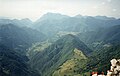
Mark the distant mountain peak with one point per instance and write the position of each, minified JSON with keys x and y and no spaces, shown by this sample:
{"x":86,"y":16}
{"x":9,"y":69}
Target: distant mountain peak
{"x":52,"y":16}
{"x":78,"y":16}
{"x":75,"y":42}
{"x":49,"y":14}
{"x":104,"y":18}
{"x":26,"y":19}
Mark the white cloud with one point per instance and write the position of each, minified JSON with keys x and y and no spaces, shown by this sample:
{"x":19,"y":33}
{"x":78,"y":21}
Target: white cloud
{"x":34,"y":9}
{"x":103,"y":3}
{"x":109,"y":0}
{"x":96,"y":7}
{"x":114,"y":10}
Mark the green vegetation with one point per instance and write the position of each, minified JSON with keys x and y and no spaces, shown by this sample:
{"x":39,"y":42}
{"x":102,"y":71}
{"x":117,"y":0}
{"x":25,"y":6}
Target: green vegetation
{"x":66,"y":48}
{"x":19,"y":38}
{"x":58,"y":45}
{"x":13,"y":64}
{"x":100,"y":60}
{"x":36,"y":48}
{"x":72,"y":66}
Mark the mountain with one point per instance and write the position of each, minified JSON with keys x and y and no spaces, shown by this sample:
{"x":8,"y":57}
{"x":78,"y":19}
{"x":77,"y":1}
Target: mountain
{"x":104,"y":18}
{"x":104,"y":36}
{"x":21,"y":23}
{"x":52,"y":16}
{"x":106,"y":46}
{"x":50,"y":22}
{"x":53,"y":23}
{"x":58,"y":45}
{"x":53,"y":56}
{"x":19,"y":38}
{"x":100,"y":60}
{"x":72,"y":66}
{"x":112,"y":35}
{"x":13,"y":64}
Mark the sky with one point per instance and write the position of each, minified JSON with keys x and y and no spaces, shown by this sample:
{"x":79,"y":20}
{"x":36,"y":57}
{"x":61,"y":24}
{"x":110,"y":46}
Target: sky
{"x":34,"y":9}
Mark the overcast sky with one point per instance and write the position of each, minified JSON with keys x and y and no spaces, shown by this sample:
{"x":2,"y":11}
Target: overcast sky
{"x":34,"y":9}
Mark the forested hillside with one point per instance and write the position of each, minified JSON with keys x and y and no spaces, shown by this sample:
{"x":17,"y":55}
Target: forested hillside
{"x":58,"y":45}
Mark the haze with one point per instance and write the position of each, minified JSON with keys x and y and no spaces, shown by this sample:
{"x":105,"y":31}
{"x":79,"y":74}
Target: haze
{"x":34,"y":9}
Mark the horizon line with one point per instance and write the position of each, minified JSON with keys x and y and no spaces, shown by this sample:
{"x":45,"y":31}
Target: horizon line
{"x":33,"y":20}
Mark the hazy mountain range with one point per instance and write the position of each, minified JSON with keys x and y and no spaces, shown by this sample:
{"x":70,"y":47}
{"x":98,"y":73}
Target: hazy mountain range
{"x":58,"y":45}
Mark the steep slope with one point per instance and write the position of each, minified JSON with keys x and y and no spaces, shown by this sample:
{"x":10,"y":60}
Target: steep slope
{"x":112,"y":35}
{"x":37,"y":47}
{"x":13,"y":64}
{"x":18,"y":38}
{"x":48,"y":60}
{"x":50,"y":23}
{"x":54,"y":22}
{"x":100,"y":60}
{"x":106,"y":45}
{"x":72,"y":66}
{"x":108,"y":36}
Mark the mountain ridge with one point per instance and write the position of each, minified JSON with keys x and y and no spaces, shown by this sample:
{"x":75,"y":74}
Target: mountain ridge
{"x":56,"y":54}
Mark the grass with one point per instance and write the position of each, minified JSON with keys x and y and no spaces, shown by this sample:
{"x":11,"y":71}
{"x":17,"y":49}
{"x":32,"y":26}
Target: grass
{"x":71,"y":66}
